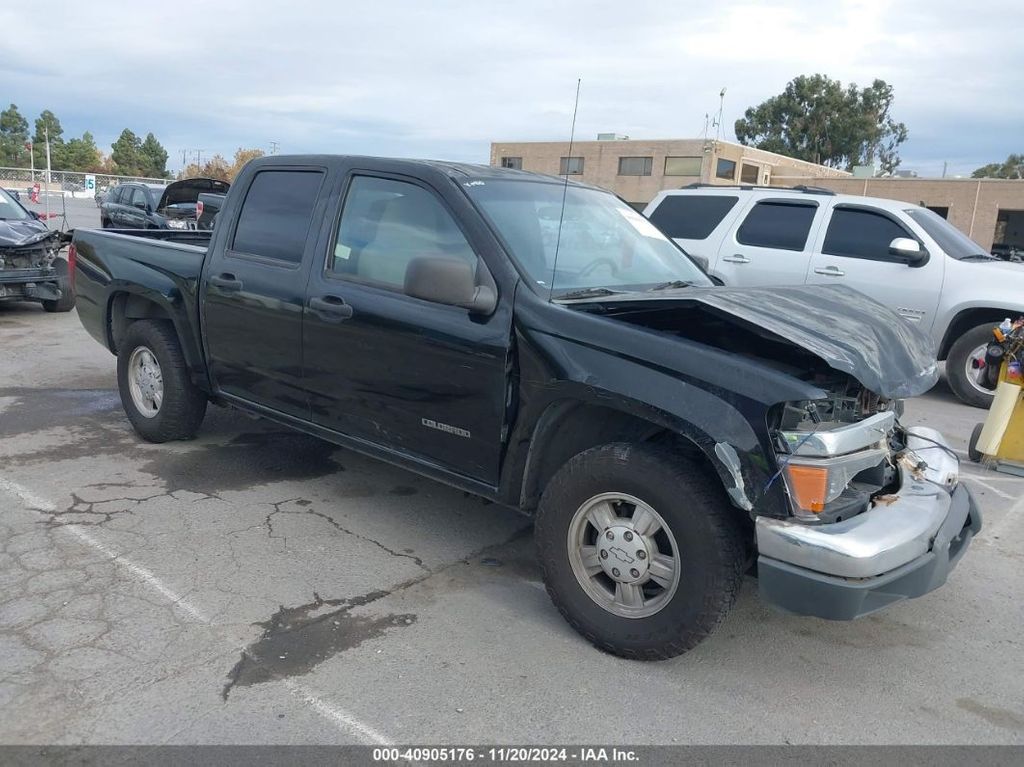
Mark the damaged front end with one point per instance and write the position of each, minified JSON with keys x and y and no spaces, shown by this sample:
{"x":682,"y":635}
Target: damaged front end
{"x":27,"y":272}
{"x":879,"y":513}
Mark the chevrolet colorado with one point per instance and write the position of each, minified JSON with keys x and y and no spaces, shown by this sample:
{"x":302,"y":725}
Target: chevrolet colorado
{"x":668,"y":434}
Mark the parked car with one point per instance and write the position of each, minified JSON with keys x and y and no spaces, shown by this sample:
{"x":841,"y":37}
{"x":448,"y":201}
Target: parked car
{"x":135,"y":205}
{"x":207,"y":208}
{"x":905,"y":256}
{"x":665,"y":431}
{"x":31,"y":268}
{"x":101,"y":194}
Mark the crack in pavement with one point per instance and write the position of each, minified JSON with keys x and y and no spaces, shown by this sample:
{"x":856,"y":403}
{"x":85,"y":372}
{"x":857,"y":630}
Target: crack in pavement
{"x":334,"y":523}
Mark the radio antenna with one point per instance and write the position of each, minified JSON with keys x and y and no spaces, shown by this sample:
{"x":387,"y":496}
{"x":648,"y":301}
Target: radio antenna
{"x":565,"y":189}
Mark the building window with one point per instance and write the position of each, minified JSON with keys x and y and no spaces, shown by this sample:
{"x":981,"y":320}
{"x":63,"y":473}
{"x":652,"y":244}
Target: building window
{"x":748,"y":174}
{"x":516,"y":163}
{"x":683,"y":166}
{"x":635,"y":166}
{"x":726,"y":169}
{"x":570,"y":166}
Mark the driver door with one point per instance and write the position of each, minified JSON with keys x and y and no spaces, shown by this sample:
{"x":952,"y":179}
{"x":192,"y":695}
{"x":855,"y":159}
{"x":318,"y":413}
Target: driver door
{"x":425,"y":379}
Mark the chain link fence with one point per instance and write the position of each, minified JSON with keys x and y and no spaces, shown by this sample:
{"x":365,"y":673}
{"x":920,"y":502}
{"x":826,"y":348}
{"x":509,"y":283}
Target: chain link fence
{"x":72,"y":182}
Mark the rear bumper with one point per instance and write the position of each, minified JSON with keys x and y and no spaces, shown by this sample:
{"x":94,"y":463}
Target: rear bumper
{"x":897,"y":550}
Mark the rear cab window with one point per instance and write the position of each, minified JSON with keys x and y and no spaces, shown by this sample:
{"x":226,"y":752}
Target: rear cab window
{"x":778,"y":224}
{"x":692,"y":216}
{"x":276,"y":215}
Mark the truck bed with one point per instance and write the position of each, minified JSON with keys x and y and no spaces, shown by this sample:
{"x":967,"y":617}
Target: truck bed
{"x":161,"y":264}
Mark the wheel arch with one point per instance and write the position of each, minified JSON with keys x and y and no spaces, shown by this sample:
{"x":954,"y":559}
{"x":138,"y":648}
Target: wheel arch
{"x":968,"y":318}
{"x":568,"y":427}
{"x":128,"y":306}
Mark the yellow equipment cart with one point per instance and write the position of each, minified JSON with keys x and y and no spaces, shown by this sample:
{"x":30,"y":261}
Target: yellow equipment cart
{"x":999,"y":441}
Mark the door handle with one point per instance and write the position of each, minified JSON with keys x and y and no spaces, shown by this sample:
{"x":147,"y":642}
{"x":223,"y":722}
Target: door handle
{"x":226,"y":282}
{"x":737,"y":258}
{"x":331,"y":307}
{"x":830,"y":271}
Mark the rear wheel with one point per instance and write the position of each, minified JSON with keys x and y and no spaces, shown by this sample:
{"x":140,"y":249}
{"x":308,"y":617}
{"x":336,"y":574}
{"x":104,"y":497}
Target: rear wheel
{"x":66,"y":302}
{"x":158,"y":396}
{"x":960,"y":370}
{"x":640,"y":550}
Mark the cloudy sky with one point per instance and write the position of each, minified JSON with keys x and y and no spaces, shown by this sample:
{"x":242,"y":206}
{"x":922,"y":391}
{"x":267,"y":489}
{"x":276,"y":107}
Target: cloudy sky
{"x":440,"y":78}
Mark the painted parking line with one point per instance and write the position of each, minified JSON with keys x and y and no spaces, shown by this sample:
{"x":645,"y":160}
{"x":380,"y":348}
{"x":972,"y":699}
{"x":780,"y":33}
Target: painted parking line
{"x":343,"y":720}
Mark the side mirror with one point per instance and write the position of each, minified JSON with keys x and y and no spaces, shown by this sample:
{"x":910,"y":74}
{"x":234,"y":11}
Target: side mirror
{"x":909,"y":250}
{"x":448,"y":281}
{"x":141,"y":206}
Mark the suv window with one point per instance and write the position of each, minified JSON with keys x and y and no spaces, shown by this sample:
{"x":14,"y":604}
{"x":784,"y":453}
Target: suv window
{"x":782,"y":225}
{"x":385,"y":224}
{"x":139,"y":197}
{"x":692,"y":216}
{"x":276,"y":214}
{"x":859,"y":233}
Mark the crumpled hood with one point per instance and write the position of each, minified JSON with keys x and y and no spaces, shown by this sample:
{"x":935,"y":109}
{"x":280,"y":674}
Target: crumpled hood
{"x":843,"y":327}
{"x":18,"y":234}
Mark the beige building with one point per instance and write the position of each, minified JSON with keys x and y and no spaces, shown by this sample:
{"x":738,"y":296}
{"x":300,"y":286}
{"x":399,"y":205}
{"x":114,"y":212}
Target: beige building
{"x":990,"y":211}
{"x":638,"y":170}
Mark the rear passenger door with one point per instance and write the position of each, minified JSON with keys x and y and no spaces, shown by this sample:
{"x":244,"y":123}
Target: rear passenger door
{"x":854,"y":251}
{"x":254,"y":287}
{"x":771,"y":245}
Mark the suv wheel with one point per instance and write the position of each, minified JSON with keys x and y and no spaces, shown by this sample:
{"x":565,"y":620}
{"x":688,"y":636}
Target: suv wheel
{"x":158,"y":396}
{"x":640,"y":550}
{"x":962,"y":377}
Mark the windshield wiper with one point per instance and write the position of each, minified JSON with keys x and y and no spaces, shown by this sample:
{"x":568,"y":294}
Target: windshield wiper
{"x":587,"y":293}
{"x":983,"y":256}
{"x":672,"y":285}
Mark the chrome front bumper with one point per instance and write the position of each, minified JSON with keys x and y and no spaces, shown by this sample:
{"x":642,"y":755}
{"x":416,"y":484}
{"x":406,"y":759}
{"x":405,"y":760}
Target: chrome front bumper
{"x":902,"y":547}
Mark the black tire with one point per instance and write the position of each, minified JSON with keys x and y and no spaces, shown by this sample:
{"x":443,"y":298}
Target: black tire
{"x":956,"y":363}
{"x":707,"y":529}
{"x":183,"y":406}
{"x":972,"y":446}
{"x":66,"y":302}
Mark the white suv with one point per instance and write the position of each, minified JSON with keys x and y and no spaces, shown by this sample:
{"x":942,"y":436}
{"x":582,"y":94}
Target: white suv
{"x":900,"y":254}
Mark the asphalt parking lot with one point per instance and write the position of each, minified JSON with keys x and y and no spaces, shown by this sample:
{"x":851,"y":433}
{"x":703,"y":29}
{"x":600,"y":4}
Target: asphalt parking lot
{"x":259,"y":586}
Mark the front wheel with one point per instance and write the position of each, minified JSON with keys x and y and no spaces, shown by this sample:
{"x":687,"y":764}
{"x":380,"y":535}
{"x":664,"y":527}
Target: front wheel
{"x":640,"y":550}
{"x":158,"y":396}
{"x":960,"y":370}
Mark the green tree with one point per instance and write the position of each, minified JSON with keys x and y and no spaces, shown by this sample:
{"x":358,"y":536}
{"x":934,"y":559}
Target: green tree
{"x":154,"y":157}
{"x":82,"y":154}
{"x":48,"y":122}
{"x":820,"y":120}
{"x":1012,"y":167}
{"x":127,"y":155}
{"x":13,"y":137}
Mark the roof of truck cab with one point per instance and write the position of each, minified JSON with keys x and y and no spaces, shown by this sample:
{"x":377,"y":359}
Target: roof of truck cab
{"x":460,"y":171}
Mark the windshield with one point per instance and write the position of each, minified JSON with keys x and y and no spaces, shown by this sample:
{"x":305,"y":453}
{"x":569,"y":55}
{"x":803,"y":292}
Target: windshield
{"x":10,"y":209}
{"x":604,"y":243}
{"x":954,"y":242}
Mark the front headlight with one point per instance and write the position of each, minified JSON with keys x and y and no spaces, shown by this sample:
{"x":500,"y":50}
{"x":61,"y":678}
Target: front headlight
{"x":176,"y":224}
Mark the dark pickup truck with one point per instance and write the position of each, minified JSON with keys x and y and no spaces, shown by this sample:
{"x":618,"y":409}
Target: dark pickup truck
{"x":668,"y":434}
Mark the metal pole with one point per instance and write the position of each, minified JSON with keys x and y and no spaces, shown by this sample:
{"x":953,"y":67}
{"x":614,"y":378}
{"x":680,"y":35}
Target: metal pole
{"x":32,"y":159}
{"x":47,"y":130}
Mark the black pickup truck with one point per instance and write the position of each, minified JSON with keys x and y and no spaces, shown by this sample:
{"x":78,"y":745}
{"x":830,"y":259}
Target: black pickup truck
{"x":669,"y":435}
